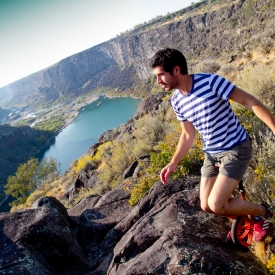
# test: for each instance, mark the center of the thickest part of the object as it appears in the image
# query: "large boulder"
(151, 103)
(42, 237)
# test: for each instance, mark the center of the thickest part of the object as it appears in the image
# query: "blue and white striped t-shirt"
(207, 107)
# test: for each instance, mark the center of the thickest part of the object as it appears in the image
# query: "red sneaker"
(260, 230)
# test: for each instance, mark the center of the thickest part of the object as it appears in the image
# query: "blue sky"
(35, 34)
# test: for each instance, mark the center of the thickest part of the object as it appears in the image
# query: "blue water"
(94, 119)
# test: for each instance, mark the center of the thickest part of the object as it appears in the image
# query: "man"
(201, 102)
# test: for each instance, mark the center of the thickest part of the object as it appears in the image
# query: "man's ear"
(176, 69)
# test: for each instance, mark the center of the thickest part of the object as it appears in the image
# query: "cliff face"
(201, 31)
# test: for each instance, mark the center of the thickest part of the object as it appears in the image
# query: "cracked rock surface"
(165, 233)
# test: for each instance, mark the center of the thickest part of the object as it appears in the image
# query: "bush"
(28, 177)
(114, 162)
(228, 72)
(260, 179)
(150, 130)
(189, 165)
(34, 196)
(82, 163)
(207, 66)
(266, 45)
(271, 264)
(260, 82)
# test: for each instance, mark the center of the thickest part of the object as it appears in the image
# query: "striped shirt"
(207, 107)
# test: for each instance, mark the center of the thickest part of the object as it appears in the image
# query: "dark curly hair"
(168, 59)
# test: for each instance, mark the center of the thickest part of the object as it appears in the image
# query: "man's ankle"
(268, 214)
(263, 210)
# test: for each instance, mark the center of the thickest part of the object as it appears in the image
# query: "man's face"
(167, 81)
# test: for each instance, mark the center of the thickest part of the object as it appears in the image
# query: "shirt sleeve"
(221, 86)
(179, 115)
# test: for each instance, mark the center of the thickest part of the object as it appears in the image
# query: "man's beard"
(171, 86)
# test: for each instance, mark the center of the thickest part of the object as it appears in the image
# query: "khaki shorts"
(233, 163)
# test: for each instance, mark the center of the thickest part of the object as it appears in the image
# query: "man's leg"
(206, 186)
(220, 203)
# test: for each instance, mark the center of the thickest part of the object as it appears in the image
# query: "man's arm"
(254, 105)
(185, 141)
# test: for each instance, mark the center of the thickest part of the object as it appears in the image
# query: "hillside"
(205, 30)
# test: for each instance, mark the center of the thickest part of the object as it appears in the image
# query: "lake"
(93, 120)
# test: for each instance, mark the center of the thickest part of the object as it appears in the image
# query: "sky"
(35, 34)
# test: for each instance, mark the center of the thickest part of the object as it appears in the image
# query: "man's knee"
(205, 207)
(218, 207)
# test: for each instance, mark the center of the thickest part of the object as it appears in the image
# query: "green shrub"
(260, 177)
(189, 165)
(82, 163)
(115, 160)
(28, 177)
(150, 130)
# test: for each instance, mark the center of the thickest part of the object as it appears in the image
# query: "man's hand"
(185, 141)
(166, 172)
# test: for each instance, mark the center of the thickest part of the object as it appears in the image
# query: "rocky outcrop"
(149, 104)
(37, 241)
(165, 233)
(204, 30)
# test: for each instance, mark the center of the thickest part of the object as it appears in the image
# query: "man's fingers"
(165, 173)
(163, 176)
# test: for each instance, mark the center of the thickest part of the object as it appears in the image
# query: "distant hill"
(208, 29)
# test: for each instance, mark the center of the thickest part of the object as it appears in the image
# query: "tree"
(28, 176)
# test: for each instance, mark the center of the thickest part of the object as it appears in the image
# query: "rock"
(43, 237)
(86, 203)
(86, 179)
(176, 237)
(93, 149)
(149, 104)
(134, 168)
(165, 233)
(107, 136)
(52, 204)
(97, 222)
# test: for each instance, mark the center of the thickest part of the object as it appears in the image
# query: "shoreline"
(73, 109)
(70, 120)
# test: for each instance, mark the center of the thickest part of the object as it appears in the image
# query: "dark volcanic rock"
(151, 103)
(165, 233)
(108, 135)
(44, 236)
